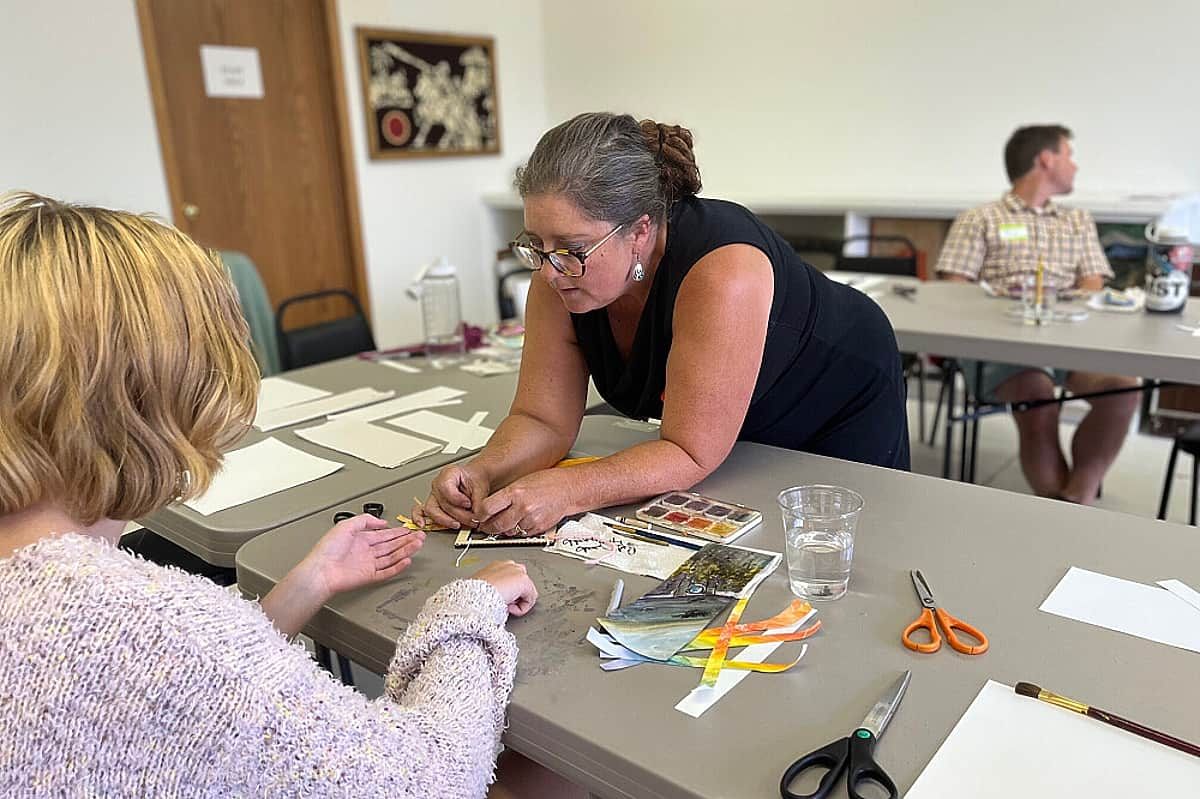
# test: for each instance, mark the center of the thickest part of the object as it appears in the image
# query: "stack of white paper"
(386, 448)
(435, 397)
(1007, 745)
(258, 470)
(278, 392)
(294, 414)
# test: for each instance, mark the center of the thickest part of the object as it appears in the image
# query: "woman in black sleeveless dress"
(683, 309)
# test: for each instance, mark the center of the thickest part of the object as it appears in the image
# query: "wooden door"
(270, 176)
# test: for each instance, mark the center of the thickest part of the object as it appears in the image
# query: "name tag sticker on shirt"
(1014, 232)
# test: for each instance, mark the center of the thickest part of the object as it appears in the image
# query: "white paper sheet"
(702, 697)
(368, 442)
(1007, 745)
(295, 414)
(445, 428)
(429, 398)
(279, 392)
(258, 470)
(1128, 607)
(1183, 591)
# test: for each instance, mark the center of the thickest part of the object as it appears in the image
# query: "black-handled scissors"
(852, 754)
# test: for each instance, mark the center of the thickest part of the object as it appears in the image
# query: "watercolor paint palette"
(700, 516)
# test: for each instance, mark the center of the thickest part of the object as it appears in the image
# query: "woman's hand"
(357, 552)
(456, 494)
(531, 505)
(514, 585)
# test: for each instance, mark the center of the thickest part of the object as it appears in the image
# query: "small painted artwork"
(428, 94)
(717, 570)
(667, 617)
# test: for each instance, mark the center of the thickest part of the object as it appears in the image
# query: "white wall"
(890, 97)
(76, 121)
(416, 209)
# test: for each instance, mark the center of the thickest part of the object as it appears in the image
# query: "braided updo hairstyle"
(613, 167)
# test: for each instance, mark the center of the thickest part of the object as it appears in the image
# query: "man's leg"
(1042, 458)
(1101, 433)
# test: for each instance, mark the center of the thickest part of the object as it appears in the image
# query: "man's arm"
(964, 249)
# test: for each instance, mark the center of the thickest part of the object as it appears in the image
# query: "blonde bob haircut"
(125, 366)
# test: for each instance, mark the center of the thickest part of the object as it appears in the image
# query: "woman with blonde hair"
(126, 371)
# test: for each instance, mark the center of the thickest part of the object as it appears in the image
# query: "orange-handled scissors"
(951, 625)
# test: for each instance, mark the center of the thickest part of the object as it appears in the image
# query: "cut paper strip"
(279, 392)
(438, 396)
(257, 471)
(475, 420)
(1133, 608)
(698, 663)
(409, 524)
(613, 651)
(303, 412)
(703, 697)
(400, 367)
(368, 442)
(444, 428)
(712, 668)
(794, 612)
(1007, 745)
(1183, 591)
(740, 639)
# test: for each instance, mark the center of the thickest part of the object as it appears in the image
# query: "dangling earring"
(639, 274)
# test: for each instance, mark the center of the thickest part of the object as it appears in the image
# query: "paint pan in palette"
(694, 514)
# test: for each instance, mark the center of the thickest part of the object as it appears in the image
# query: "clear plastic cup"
(818, 527)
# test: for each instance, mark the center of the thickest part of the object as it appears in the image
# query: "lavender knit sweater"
(122, 678)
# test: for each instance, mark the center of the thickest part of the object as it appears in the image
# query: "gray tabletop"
(959, 319)
(216, 537)
(990, 556)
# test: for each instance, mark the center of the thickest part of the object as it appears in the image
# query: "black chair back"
(325, 341)
(899, 265)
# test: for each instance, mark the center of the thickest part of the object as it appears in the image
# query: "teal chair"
(256, 307)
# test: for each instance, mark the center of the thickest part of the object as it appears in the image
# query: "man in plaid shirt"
(1003, 241)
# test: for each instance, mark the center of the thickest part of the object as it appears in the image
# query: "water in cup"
(820, 568)
(819, 524)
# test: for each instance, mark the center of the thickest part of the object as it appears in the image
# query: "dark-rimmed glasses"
(571, 263)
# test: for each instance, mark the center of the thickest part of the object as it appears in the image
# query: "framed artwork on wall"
(428, 94)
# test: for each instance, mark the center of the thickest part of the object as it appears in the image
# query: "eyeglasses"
(566, 262)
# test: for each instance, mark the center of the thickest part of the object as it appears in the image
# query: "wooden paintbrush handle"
(1145, 732)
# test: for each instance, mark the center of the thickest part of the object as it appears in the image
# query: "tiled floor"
(1133, 484)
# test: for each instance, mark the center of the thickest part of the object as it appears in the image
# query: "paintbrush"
(657, 536)
(1036, 692)
(635, 533)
